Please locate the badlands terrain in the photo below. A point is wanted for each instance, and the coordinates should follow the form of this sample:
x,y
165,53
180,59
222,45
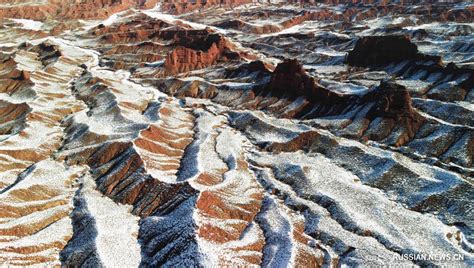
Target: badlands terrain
x,y
236,133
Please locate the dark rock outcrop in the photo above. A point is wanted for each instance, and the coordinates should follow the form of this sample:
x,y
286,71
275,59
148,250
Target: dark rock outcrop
x,y
376,50
393,103
291,80
257,68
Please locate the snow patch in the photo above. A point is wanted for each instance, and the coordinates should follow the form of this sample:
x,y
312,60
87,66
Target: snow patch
x,y
29,24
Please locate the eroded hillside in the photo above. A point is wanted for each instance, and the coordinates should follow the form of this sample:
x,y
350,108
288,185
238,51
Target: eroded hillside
x,y
232,133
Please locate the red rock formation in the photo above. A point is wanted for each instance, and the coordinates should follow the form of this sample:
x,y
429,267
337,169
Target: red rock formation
x,y
70,9
140,22
198,53
180,6
184,59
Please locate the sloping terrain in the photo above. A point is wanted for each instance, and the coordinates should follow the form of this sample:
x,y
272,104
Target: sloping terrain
x,y
236,133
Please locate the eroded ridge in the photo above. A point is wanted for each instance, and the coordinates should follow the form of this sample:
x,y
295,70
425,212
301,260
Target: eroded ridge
x,y
236,133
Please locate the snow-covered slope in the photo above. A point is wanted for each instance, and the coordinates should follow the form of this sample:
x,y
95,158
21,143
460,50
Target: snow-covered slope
x,y
236,134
